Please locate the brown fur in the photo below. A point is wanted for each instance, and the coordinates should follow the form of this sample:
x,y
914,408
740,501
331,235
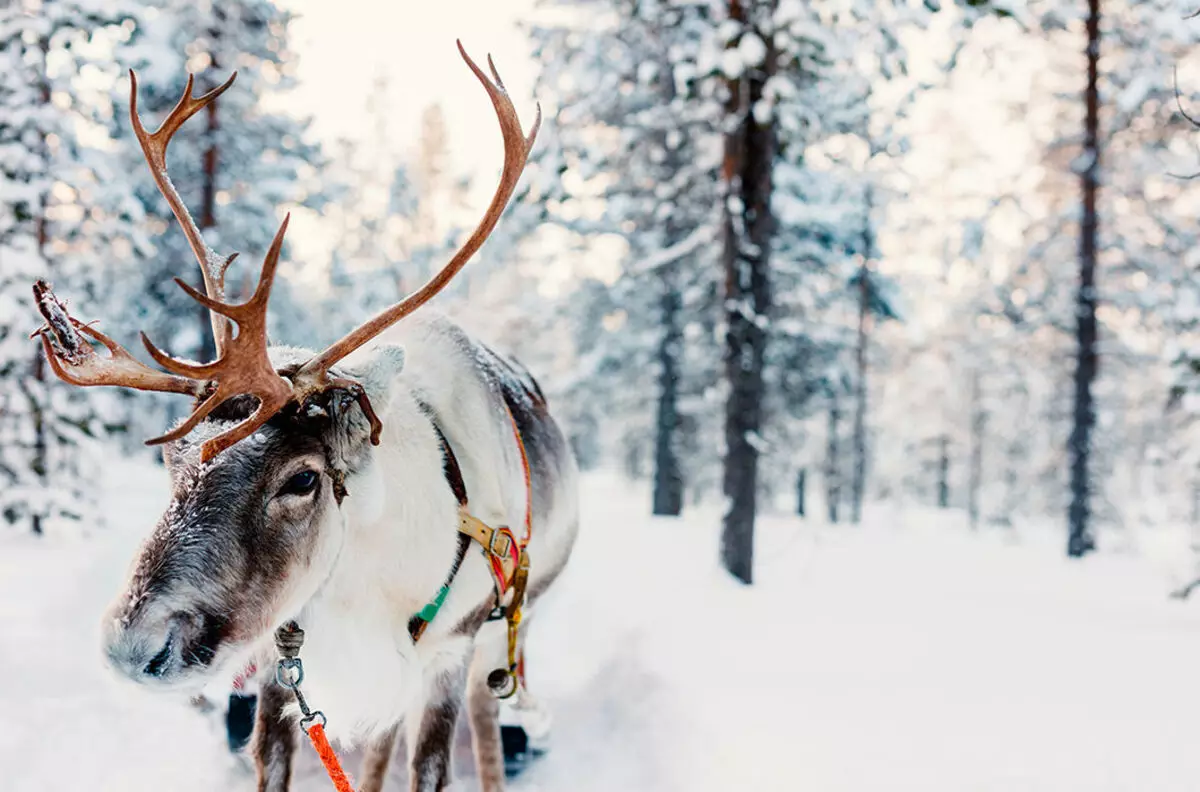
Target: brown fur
x,y
274,740
483,713
430,763
376,760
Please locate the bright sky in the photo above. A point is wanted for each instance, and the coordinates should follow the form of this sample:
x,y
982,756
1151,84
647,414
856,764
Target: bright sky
x,y
344,44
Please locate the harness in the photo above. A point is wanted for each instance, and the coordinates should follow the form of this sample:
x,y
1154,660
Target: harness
x,y
507,558
508,562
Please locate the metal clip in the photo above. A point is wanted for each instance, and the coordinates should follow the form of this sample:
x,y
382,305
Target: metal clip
x,y
289,672
307,721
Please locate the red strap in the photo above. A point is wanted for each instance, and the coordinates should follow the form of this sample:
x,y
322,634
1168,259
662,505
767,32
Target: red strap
x,y
514,550
316,733
528,478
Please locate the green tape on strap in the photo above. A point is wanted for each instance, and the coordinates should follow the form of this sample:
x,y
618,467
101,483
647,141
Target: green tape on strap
x,y
431,608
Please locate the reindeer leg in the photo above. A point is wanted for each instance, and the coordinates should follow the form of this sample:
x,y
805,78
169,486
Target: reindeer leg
x,y
375,762
431,735
483,710
274,740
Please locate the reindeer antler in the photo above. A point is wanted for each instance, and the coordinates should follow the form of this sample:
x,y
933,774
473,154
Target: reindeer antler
x,y
74,360
313,375
242,366
154,147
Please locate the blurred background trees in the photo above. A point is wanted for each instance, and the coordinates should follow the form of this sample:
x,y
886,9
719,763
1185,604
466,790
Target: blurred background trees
x,y
784,255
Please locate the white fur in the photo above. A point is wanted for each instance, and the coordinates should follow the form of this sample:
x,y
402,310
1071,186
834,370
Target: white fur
x,y
398,536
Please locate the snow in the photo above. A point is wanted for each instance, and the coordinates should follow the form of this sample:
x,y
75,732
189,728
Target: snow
x,y
908,654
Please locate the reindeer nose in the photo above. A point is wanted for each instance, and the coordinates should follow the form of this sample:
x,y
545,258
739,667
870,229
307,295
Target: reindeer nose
x,y
148,648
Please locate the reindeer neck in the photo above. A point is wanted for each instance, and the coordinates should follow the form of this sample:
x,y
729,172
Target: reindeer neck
x,y
400,527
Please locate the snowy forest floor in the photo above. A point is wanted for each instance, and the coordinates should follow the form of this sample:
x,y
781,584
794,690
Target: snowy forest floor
x,y
907,654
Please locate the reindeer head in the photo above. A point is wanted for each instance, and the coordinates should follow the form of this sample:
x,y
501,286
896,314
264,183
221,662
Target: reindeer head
x,y
258,470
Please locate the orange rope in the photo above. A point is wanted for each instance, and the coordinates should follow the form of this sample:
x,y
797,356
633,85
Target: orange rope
x,y
316,733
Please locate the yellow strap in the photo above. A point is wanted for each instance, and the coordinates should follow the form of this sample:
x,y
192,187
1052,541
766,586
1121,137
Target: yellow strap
x,y
496,543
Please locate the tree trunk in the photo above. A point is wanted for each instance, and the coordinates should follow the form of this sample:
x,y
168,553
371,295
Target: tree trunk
x,y
978,424
858,485
747,171
801,475
668,479
207,350
833,469
668,476
39,402
943,490
633,459
1080,539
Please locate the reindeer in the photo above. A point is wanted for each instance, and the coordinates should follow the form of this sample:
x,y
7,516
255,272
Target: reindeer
x,y
341,491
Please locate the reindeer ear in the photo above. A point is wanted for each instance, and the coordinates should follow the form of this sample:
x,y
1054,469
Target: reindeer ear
x,y
377,372
351,430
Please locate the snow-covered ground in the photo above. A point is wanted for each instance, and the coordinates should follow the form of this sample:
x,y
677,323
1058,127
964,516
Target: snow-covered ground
x,y
907,654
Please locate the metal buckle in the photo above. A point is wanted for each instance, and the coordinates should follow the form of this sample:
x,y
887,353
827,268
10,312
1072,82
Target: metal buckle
x,y
492,542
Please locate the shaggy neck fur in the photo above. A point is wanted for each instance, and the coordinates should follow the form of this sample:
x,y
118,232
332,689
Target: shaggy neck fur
x,y
399,540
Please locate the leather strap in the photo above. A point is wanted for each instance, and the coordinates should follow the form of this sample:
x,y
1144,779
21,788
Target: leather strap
x,y
500,547
453,474
450,468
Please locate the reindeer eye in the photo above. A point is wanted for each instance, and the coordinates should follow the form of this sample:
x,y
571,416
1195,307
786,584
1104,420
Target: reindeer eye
x,y
302,483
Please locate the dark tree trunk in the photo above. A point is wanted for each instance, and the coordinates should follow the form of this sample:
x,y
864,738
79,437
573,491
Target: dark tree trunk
x,y
39,464
1080,539
748,227
668,479
208,197
668,475
633,459
801,475
943,488
38,403
978,424
833,464
858,485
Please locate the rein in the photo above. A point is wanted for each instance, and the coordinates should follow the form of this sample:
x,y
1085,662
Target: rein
x,y
289,672
508,561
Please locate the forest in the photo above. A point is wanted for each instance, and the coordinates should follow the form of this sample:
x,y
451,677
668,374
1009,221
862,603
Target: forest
x,y
792,255
783,268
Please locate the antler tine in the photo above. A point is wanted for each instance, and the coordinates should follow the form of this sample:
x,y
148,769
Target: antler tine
x,y
267,407
257,304
75,361
198,414
243,368
154,147
312,376
242,365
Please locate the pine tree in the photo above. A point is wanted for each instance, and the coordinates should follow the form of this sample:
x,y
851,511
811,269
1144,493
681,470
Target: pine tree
x,y
237,167
639,134
65,215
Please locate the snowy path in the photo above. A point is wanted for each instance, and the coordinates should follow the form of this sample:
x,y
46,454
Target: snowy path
x,y
893,657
